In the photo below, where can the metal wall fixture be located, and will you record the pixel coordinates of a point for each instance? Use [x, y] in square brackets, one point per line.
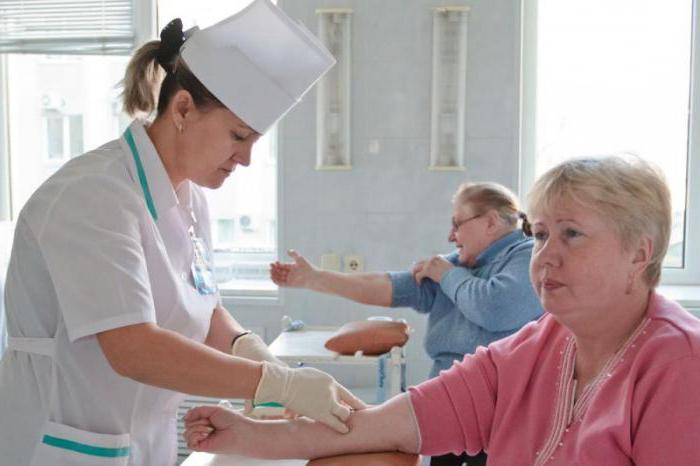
[448, 88]
[333, 92]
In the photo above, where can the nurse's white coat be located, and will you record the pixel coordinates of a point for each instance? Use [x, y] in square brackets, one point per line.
[88, 257]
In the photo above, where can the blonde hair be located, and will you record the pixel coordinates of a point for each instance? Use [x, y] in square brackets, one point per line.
[628, 191]
[485, 196]
[142, 80]
[146, 87]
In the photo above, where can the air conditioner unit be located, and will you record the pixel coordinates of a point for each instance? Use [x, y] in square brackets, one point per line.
[52, 102]
[247, 223]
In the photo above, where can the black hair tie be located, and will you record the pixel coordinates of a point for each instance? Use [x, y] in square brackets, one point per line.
[527, 228]
[171, 39]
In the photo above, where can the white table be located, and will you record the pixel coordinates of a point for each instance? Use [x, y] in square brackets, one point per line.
[306, 347]
[207, 459]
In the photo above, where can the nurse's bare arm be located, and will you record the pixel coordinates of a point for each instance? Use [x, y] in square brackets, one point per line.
[366, 288]
[156, 356]
[222, 328]
[387, 427]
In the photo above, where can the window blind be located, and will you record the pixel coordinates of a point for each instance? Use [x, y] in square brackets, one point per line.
[86, 27]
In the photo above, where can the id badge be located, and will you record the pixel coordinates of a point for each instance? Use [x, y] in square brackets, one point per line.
[202, 269]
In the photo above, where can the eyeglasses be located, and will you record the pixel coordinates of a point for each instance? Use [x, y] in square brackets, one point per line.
[456, 224]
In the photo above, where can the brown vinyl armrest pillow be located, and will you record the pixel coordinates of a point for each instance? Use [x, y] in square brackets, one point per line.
[372, 337]
[368, 459]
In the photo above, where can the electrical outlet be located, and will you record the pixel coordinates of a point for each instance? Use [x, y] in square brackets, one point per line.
[354, 263]
[330, 261]
[373, 146]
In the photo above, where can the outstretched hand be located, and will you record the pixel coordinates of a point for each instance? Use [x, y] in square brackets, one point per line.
[297, 274]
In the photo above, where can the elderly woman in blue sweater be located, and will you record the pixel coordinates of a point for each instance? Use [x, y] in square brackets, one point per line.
[478, 294]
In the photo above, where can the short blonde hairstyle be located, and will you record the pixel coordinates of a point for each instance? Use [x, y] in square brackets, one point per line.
[486, 196]
[629, 192]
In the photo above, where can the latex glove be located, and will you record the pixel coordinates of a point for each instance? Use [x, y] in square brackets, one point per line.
[251, 346]
[308, 392]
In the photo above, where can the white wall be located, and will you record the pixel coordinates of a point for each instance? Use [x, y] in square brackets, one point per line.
[389, 208]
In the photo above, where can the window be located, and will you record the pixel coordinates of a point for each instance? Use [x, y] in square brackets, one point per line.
[244, 210]
[59, 63]
[64, 133]
[244, 223]
[601, 78]
[58, 107]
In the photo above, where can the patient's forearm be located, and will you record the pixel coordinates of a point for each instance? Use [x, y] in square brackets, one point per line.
[366, 288]
[388, 427]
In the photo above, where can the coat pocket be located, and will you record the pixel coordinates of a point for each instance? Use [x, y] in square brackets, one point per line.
[62, 445]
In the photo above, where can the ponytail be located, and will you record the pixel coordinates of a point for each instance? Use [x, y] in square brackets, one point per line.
[526, 227]
[144, 81]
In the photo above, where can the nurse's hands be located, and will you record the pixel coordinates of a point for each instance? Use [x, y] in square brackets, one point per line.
[308, 392]
[433, 268]
[215, 429]
[251, 346]
[299, 274]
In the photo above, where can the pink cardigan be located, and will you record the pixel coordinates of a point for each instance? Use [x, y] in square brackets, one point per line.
[514, 399]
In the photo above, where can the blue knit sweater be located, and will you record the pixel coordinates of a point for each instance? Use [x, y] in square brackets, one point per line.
[473, 306]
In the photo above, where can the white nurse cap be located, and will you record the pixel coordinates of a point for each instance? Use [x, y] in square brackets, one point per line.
[258, 62]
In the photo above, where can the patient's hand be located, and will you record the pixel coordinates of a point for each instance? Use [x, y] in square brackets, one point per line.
[215, 429]
[433, 268]
[298, 274]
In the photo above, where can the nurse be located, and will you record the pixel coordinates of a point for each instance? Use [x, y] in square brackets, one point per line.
[113, 313]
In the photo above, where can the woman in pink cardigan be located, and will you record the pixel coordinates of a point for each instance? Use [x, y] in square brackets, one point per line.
[608, 376]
